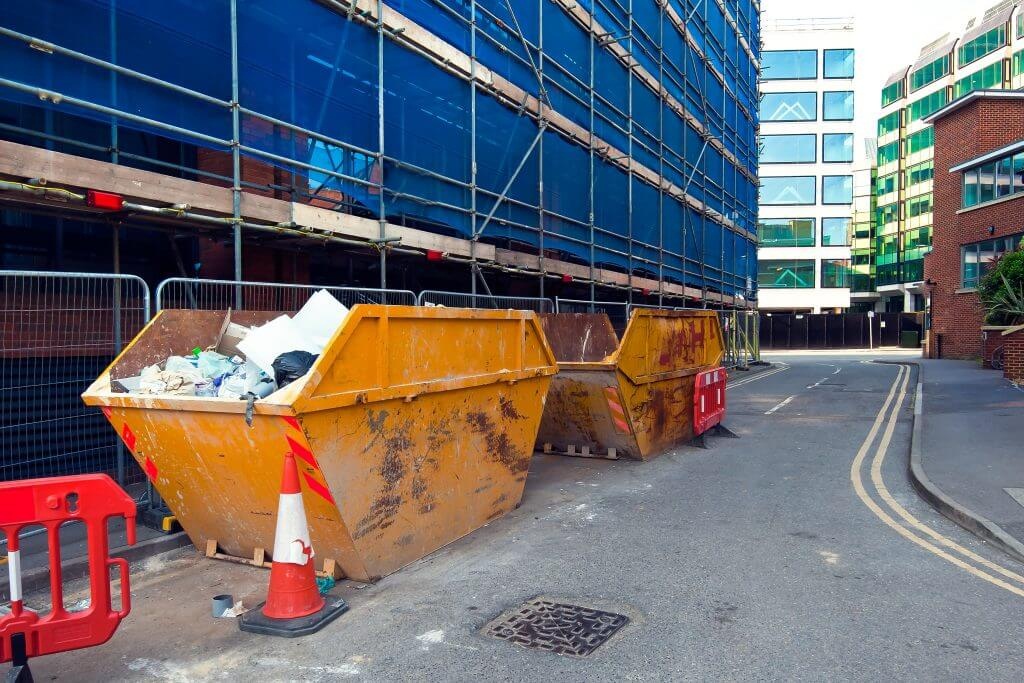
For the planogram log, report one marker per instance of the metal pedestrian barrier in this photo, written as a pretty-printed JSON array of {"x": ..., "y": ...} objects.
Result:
[
  {"x": 617, "y": 311},
  {"x": 431, "y": 297},
  {"x": 58, "y": 331},
  {"x": 243, "y": 295}
]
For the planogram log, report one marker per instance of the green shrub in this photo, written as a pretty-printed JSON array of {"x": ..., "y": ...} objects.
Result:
[{"x": 1002, "y": 290}]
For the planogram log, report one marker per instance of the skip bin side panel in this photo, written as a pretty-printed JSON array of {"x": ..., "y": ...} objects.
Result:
[
  {"x": 658, "y": 344},
  {"x": 222, "y": 479},
  {"x": 579, "y": 337},
  {"x": 661, "y": 413},
  {"x": 584, "y": 409},
  {"x": 412, "y": 476}
]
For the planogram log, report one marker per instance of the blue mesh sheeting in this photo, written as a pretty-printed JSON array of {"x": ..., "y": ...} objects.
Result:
[{"x": 313, "y": 67}]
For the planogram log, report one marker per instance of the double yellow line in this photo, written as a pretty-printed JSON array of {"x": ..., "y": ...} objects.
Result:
[{"x": 911, "y": 528}]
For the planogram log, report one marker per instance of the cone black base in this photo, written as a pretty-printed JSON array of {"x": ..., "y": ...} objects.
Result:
[{"x": 253, "y": 621}]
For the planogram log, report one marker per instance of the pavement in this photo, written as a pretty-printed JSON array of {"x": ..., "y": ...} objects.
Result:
[
  {"x": 971, "y": 460},
  {"x": 799, "y": 551}
]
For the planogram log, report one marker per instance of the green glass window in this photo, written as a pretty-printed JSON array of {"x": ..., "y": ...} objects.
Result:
[
  {"x": 976, "y": 259},
  {"x": 1020, "y": 25},
  {"x": 891, "y": 93},
  {"x": 926, "y": 106},
  {"x": 921, "y": 173},
  {"x": 890, "y": 213},
  {"x": 888, "y": 153},
  {"x": 1018, "y": 60},
  {"x": 985, "y": 44},
  {"x": 929, "y": 73},
  {"x": 835, "y": 273},
  {"x": 889, "y": 124},
  {"x": 887, "y": 184},
  {"x": 835, "y": 232},
  {"x": 922, "y": 139},
  {"x": 919, "y": 238},
  {"x": 786, "y": 232},
  {"x": 787, "y": 274},
  {"x": 991, "y": 77},
  {"x": 920, "y": 205},
  {"x": 995, "y": 180}
]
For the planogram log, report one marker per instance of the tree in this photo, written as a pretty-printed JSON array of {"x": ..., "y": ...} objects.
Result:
[{"x": 1002, "y": 290}]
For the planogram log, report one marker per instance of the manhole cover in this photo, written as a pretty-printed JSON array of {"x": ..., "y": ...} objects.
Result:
[{"x": 557, "y": 627}]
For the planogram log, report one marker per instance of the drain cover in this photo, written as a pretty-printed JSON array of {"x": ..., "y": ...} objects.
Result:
[{"x": 557, "y": 627}]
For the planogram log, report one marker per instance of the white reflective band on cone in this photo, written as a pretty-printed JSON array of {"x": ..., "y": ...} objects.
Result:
[
  {"x": 14, "y": 571},
  {"x": 291, "y": 538}
]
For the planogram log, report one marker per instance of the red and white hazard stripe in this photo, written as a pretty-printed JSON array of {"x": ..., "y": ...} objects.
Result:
[
  {"x": 619, "y": 418},
  {"x": 14, "y": 574},
  {"x": 291, "y": 537}
]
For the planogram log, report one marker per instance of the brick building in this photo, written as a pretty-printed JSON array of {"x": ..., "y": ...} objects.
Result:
[{"x": 979, "y": 211}]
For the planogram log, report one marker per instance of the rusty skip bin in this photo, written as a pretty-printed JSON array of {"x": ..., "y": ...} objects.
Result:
[
  {"x": 631, "y": 399},
  {"x": 413, "y": 428}
]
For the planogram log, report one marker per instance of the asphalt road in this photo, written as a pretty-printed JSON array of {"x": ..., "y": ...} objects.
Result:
[{"x": 775, "y": 556}]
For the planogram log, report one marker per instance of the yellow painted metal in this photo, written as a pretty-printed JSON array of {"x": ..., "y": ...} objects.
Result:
[
  {"x": 631, "y": 399},
  {"x": 413, "y": 428}
]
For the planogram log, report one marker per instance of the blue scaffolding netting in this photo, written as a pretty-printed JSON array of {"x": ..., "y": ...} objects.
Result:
[{"x": 320, "y": 90}]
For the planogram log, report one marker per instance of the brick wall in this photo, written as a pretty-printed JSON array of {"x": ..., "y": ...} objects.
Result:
[
  {"x": 975, "y": 129},
  {"x": 1013, "y": 368},
  {"x": 992, "y": 339}
]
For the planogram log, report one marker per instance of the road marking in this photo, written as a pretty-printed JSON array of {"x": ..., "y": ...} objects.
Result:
[
  {"x": 781, "y": 405},
  {"x": 858, "y": 485},
  {"x": 818, "y": 383},
  {"x": 758, "y": 377}
]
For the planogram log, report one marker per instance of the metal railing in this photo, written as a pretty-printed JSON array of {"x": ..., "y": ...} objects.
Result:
[
  {"x": 58, "y": 332},
  {"x": 216, "y": 295},
  {"x": 617, "y": 311},
  {"x": 431, "y": 297},
  {"x": 741, "y": 333}
]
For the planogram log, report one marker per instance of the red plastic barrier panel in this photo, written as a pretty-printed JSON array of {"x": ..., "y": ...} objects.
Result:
[
  {"x": 91, "y": 499},
  {"x": 709, "y": 400}
]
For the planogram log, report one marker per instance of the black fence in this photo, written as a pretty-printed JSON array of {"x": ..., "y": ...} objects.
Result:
[{"x": 842, "y": 331}]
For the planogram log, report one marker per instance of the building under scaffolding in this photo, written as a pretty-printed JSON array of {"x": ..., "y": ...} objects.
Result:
[{"x": 587, "y": 148}]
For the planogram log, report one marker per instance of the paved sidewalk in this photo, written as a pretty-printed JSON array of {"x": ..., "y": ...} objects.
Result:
[{"x": 971, "y": 450}]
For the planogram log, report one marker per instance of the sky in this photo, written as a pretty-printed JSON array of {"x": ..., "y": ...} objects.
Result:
[{"x": 890, "y": 34}]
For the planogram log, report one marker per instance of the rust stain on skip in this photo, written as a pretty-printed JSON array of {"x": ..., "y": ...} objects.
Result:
[{"x": 499, "y": 446}]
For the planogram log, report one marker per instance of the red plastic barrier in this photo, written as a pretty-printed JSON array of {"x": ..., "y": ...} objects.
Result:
[
  {"x": 709, "y": 400},
  {"x": 91, "y": 499}
]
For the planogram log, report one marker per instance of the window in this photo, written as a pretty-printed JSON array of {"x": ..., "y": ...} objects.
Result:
[
  {"x": 989, "y": 78},
  {"x": 1020, "y": 25},
  {"x": 786, "y": 232},
  {"x": 1018, "y": 61},
  {"x": 789, "y": 149},
  {"x": 887, "y": 154},
  {"x": 837, "y": 189},
  {"x": 976, "y": 259},
  {"x": 835, "y": 232},
  {"x": 889, "y": 124},
  {"x": 985, "y": 44},
  {"x": 835, "y": 273},
  {"x": 920, "y": 173},
  {"x": 890, "y": 213},
  {"x": 887, "y": 184},
  {"x": 926, "y": 106},
  {"x": 839, "y": 63},
  {"x": 837, "y": 106},
  {"x": 921, "y": 140},
  {"x": 789, "y": 106},
  {"x": 780, "y": 65},
  {"x": 920, "y": 205},
  {"x": 1000, "y": 178},
  {"x": 837, "y": 148},
  {"x": 788, "y": 191},
  {"x": 929, "y": 73},
  {"x": 891, "y": 93},
  {"x": 789, "y": 274}
]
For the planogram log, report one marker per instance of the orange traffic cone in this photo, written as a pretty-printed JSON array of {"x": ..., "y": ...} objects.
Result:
[{"x": 294, "y": 606}]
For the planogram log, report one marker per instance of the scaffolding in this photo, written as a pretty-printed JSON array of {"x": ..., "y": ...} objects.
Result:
[{"x": 608, "y": 141}]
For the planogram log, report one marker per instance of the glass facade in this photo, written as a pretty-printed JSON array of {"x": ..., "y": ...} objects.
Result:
[
  {"x": 891, "y": 93},
  {"x": 837, "y": 189},
  {"x": 889, "y": 123},
  {"x": 789, "y": 106},
  {"x": 837, "y": 147},
  {"x": 788, "y": 190},
  {"x": 994, "y": 180},
  {"x": 985, "y": 44},
  {"x": 789, "y": 149},
  {"x": 926, "y": 106},
  {"x": 786, "y": 232},
  {"x": 887, "y": 154},
  {"x": 921, "y": 173},
  {"x": 929, "y": 73},
  {"x": 835, "y": 232},
  {"x": 838, "y": 63},
  {"x": 835, "y": 273},
  {"x": 989, "y": 78},
  {"x": 837, "y": 106},
  {"x": 921, "y": 140},
  {"x": 783, "y": 65},
  {"x": 785, "y": 274}
]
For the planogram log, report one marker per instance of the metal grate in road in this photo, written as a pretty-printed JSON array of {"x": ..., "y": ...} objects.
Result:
[{"x": 556, "y": 627}]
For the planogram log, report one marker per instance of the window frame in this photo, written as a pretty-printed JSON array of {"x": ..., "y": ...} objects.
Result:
[
  {"x": 813, "y": 186},
  {"x": 796, "y": 244},
  {"x": 814, "y": 115},
  {"x": 824, "y": 106},
  {"x": 983, "y": 192},
  {"x": 814, "y": 148},
  {"x": 817, "y": 66},
  {"x": 826, "y": 178},
  {"x": 824, "y": 156},
  {"x": 846, "y": 274},
  {"x": 824, "y": 63},
  {"x": 796, "y": 265},
  {"x": 848, "y": 232}
]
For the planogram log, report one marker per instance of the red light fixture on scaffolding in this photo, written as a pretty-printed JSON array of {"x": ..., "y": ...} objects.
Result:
[
  {"x": 435, "y": 255},
  {"x": 567, "y": 278},
  {"x": 645, "y": 291},
  {"x": 108, "y": 201}
]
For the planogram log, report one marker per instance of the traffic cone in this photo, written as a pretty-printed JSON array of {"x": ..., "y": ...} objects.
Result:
[{"x": 294, "y": 606}]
